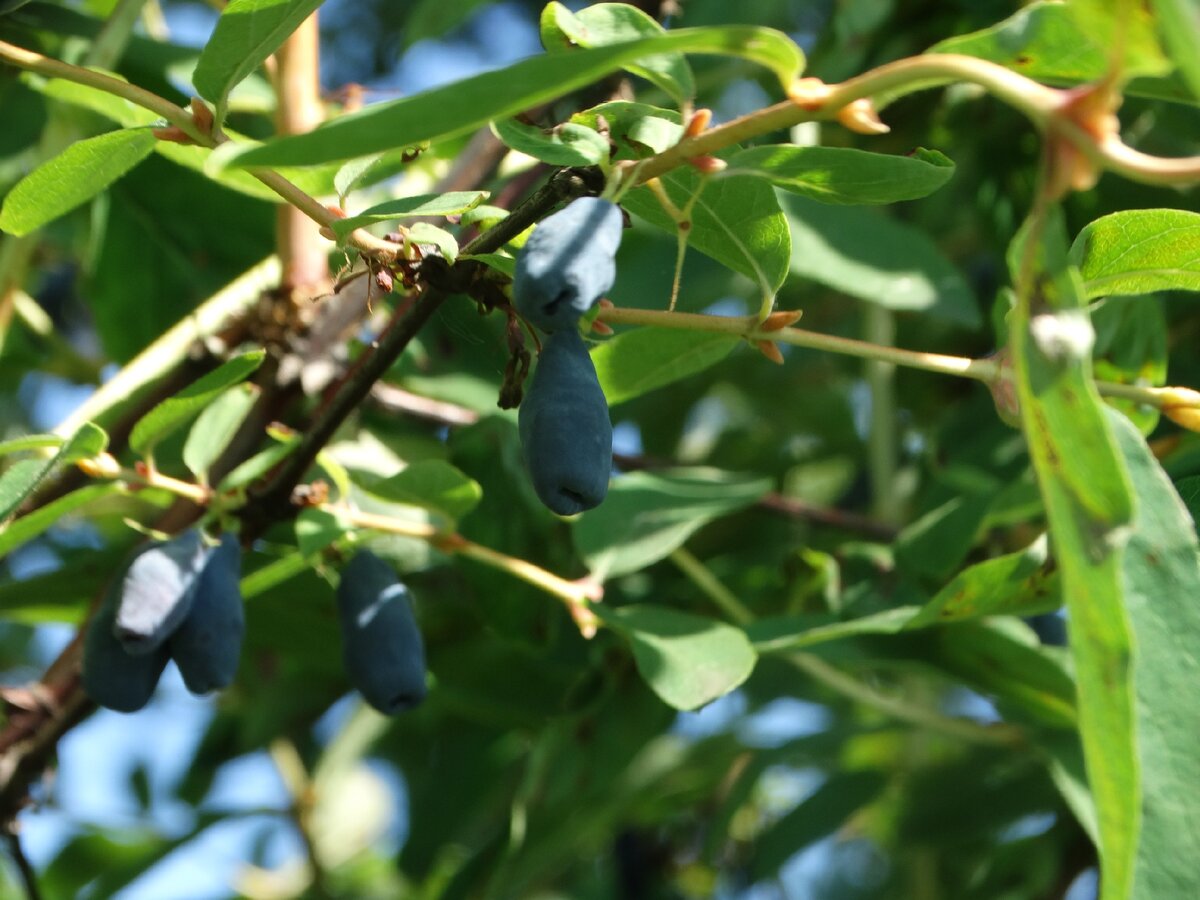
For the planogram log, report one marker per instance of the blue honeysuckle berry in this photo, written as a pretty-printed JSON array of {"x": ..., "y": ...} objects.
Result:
[
  {"x": 113, "y": 677},
  {"x": 157, "y": 589},
  {"x": 568, "y": 263},
  {"x": 207, "y": 645},
  {"x": 382, "y": 649},
  {"x": 566, "y": 436}
]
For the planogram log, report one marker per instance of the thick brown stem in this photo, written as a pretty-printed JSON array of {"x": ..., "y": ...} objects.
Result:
[{"x": 298, "y": 104}]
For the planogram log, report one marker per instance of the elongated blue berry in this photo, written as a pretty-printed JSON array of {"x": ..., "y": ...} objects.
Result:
[
  {"x": 382, "y": 649},
  {"x": 208, "y": 643},
  {"x": 568, "y": 263},
  {"x": 156, "y": 592},
  {"x": 113, "y": 677},
  {"x": 566, "y": 436}
]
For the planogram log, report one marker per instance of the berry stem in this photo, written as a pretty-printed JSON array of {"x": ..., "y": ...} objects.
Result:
[{"x": 988, "y": 370}]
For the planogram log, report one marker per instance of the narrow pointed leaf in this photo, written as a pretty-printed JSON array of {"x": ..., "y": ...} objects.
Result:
[
  {"x": 1179, "y": 24},
  {"x": 215, "y": 428},
  {"x": 20, "y": 479},
  {"x": 457, "y": 108},
  {"x": 1021, "y": 583},
  {"x": 845, "y": 176},
  {"x": 246, "y": 34},
  {"x": 1089, "y": 506},
  {"x": 28, "y": 527},
  {"x": 73, "y": 177},
  {"x": 175, "y": 411},
  {"x": 451, "y": 204}
]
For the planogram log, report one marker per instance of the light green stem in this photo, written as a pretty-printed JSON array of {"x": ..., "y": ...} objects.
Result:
[
  {"x": 1046, "y": 107},
  {"x": 986, "y": 370},
  {"x": 880, "y": 330},
  {"x": 897, "y": 708},
  {"x": 701, "y": 576}
]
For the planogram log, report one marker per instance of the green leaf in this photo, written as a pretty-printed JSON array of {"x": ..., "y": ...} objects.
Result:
[
  {"x": 450, "y": 204},
  {"x": 258, "y": 465},
  {"x": 641, "y": 360},
  {"x": 30, "y": 442},
  {"x": 842, "y": 175},
  {"x": 601, "y": 24},
  {"x": 26, "y": 528},
  {"x": 1189, "y": 492},
  {"x": 316, "y": 529},
  {"x": 484, "y": 215},
  {"x": 1066, "y": 43},
  {"x": 21, "y": 478},
  {"x": 215, "y": 428},
  {"x": 821, "y": 813},
  {"x": 173, "y": 412},
  {"x": 353, "y": 171},
  {"x": 129, "y": 115},
  {"x": 437, "y": 18},
  {"x": 424, "y": 233},
  {"x": 737, "y": 221},
  {"x": 1065, "y": 761},
  {"x": 1131, "y": 348},
  {"x": 779, "y": 634},
  {"x": 1021, "y": 583},
  {"x": 568, "y": 144},
  {"x": 868, "y": 255},
  {"x": 687, "y": 660},
  {"x": 1161, "y": 568},
  {"x": 1139, "y": 251},
  {"x": 431, "y": 484},
  {"x": 646, "y": 516},
  {"x": 1179, "y": 25},
  {"x": 88, "y": 442},
  {"x": 636, "y": 129},
  {"x": 1089, "y": 506},
  {"x": 73, "y": 177},
  {"x": 935, "y": 544},
  {"x": 505, "y": 265},
  {"x": 460, "y": 107},
  {"x": 1001, "y": 656},
  {"x": 61, "y": 595},
  {"x": 18, "y": 481},
  {"x": 246, "y": 34}
]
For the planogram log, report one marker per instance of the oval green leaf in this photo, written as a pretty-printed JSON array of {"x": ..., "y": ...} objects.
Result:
[
  {"x": 431, "y": 484},
  {"x": 687, "y": 660},
  {"x": 639, "y": 361},
  {"x": 646, "y": 516},
  {"x": 601, "y": 24},
  {"x": 1139, "y": 251},
  {"x": 568, "y": 144},
  {"x": 737, "y": 221}
]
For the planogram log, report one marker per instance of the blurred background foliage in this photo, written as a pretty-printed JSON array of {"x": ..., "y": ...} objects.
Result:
[{"x": 541, "y": 764}]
